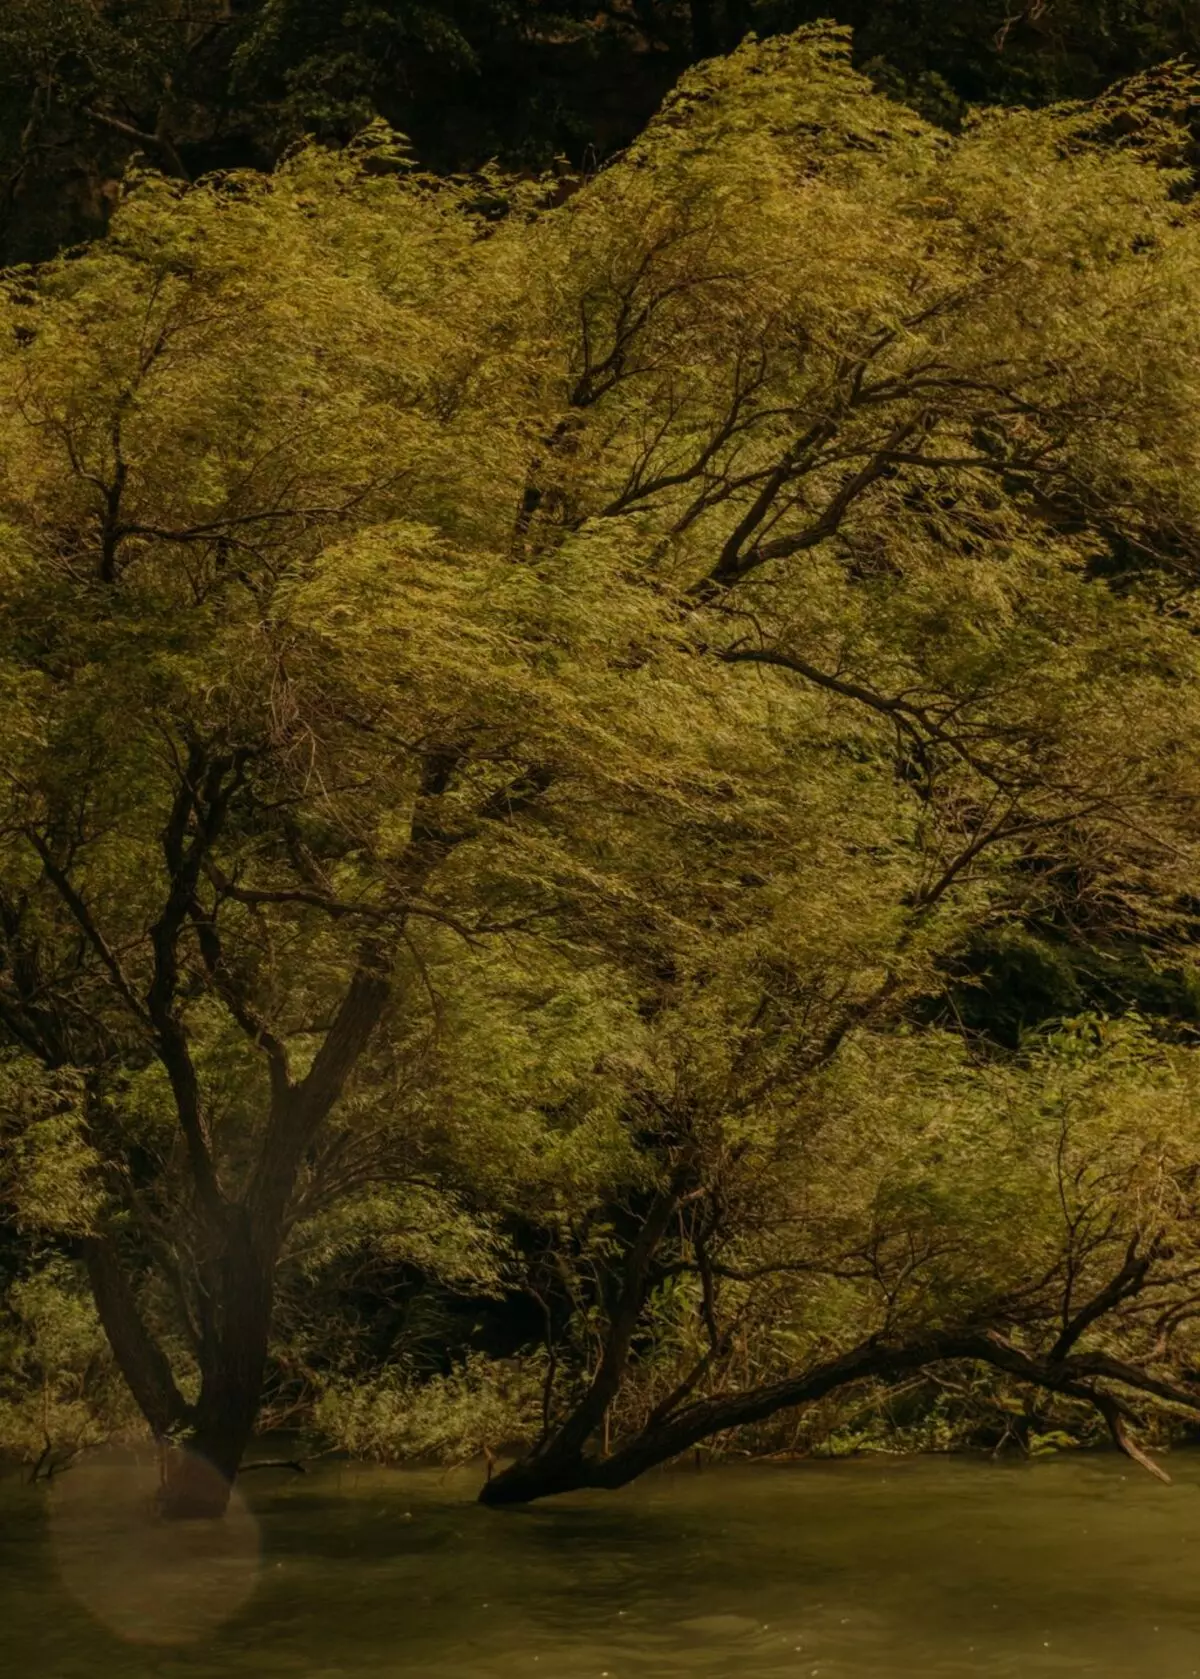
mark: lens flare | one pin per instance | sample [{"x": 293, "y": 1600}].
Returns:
[{"x": 149, "y": 1579}]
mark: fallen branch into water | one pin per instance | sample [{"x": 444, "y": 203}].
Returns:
[
  {"x": 1114, "y": 1414},
  {"x": 562, "y": 1465}
]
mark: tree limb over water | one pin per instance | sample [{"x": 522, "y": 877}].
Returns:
[{"x": 556, "y": 1471}]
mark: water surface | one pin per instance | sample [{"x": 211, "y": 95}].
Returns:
[{"x": 871, "y": 1569}]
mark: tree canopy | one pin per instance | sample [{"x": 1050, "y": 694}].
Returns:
[{"x": 521, "y": 711}]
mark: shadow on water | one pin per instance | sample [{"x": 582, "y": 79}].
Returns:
[{"x": 875, "y": 1569}]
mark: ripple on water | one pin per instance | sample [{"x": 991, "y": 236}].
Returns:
[
  {"x": 148, "y": 1580},
  {"x": 920, "y": 1570}
]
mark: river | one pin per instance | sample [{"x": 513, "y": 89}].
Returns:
[{"x": 867, "y": 1569}]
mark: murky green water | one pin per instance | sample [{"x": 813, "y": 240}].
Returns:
[{"x": 872, "y": 1569}]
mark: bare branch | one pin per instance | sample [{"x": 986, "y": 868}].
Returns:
[
  {"x": 83, "y": 917},
  {"x": 1128, "y": 1281}
]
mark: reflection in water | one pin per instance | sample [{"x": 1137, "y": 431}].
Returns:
[
  {"x": 873, "y": 1569},
  {"x": 149, "y": 1580}
]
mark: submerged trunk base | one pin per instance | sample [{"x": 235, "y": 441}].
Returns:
[
  {"x": 193, "y": 1486},
  {"x": 533, "y": 1478}
]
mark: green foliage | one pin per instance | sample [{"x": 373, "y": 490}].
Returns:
[
  {"x": 59, "y": 1389},
  {"x": 943, "y": 61},
  {"x": 510, "y": 710},
  {"x": 87, "y": 87},
  {"x": 481, "y": 1406},
  {"x": 49, "y": 1179},
  {"x": 1018, "y": 980}
]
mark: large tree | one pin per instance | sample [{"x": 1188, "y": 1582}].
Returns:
[
  {"x": 704, "y": 587},
  {"x": 902, "y": 425},
  {"x": 282, "y": 710}
]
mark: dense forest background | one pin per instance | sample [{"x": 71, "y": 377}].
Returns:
[
  {"x": 597, "y": 712},
  {"x": 202, "y": 85}
]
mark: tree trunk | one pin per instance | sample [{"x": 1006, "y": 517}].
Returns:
[
  {"x": 558, "y": 1464},
  {"x": 202, "y": 1445},
  {"x": 538, "y": 1477},
  {"x": 200, "y": 1469},
  {"x": 139, "y": 1357},
  {"x": 555, "y": 1471},
  {"x": 199, "y": 1473}
]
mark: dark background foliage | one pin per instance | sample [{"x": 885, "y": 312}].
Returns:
[{"x": 201, "y": 85}]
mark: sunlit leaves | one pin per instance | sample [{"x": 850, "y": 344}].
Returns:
[{"x": 661, "y": 632}]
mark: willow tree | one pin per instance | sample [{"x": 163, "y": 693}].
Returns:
[
  {"x": 904, "y": 427},
  {"x": 280, "y": 710},
  {"x": 696, "y": 587}
]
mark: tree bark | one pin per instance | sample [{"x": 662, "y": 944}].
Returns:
[
  {"x": 202, "y": 1445},
  {"x": 543, "y": 1477},
  {"x": 557, "y": 1462},
  {"x": 238, "y": 1212},
  {"x": 139, "y": 1357},
  {"x": 200, "y": 1471}
]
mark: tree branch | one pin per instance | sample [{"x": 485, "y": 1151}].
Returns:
[
  {"x": 198, "y": 810},
  {"x": 83, "y": 917},
  {"x": 143, "y": 1363},
  {"x": 872, "y": 1360},
  {"x": 1127, "y": 1282}
]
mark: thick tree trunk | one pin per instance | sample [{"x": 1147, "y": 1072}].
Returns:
[
  {"x": 139, "y": 1357},
  {"x": 199, "y": 1473},
  {"x": 202, "y": 1445},
  {"x": 533, "y": 1478},
  {"x": 199, "y": 1470}
]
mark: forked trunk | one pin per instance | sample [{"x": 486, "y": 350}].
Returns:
[
  {"x": 199, "y": 1472},
  {"x": 559, "y": 1463},
  {"x": 202, "y": 1444}
]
